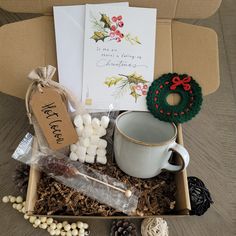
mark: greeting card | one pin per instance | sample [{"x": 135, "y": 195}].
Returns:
[
  {"x": 119, "y": 46},
  {"x": 69, "y": 31}
]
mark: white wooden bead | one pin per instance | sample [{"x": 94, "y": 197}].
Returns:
[
  {"x": 52, "y": 232},
  {"x": 81, "y": 151},
  {"x": 101, "y": 132},
  {"x": 18, "y": 207},
  {"x": 49, "y": 221},
  {"x": 101, "y": 152},
  {"x": 43, "y": 226},
  {"x": 81, "y": 234},
  {"x": 32, "y": 219},
  {"x": 80, "y": 224},
  {"x": 5, "y": 199},
  {"x": 63, "y": 233},
  {"x": 73, "y": 147},
  {"x": 87, "y": 119},
  {"x": 64, "y": 223},
  {"x": 26, "y": 216},
  {"x": 23, "y": 203},
  {"x": 85, "y": 142},
  {"x": 73, "y": 225},
  {"x": 23, "y": 210},
  {"x": 53, "y": 226},
  {"x": 79, "y": 130},
  {"x": 85, "y": 225},
  {"x": 35, "y": 226},
  {"x": 43, "y": 219},
  {"x": 12, "y": 199},
  {"x": 37, "y": 222},
  {"x": 67, "y": 227},
  {"x": 105, "y": 121},
  {"x": 96, "y": 123},
  {"x": 82, "y": 230},
  {"x": 89, "y": 159},
  {"x": 57, "y": 231},
  {"x": 19, "y": 199},
  {"x": 78, "y": 121},
  {"x": 68, "y": 233},
  {"x": 102, "y": 160},
  {"x": 91, "y": 150},
  {"x": 75, "y": 232},
  {"x": 73, "y": 156},
  {"x": 59, "y": 225},
  {"x": 87, "y": 132},
  {"x": 102, "y": 144}
]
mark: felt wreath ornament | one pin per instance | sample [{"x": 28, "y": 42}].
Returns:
[{"x": 190, "y": 98}]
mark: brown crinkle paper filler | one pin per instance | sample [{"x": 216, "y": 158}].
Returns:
[{"x": 157, "y": 195}]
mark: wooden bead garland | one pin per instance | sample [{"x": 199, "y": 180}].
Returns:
[
  {"x": 154, "y": 227},
  {"x": 53, "y": 227}
]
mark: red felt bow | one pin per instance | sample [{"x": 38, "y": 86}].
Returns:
[{"x": 177, "y": 81}]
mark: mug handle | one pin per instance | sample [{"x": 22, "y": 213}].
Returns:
[{"x": 184, "y": 155}]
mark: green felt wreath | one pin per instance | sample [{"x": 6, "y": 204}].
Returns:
[{"x": 190, "y": 93}]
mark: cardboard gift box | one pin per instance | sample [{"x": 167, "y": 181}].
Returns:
[{"x": 180, "y": 48}]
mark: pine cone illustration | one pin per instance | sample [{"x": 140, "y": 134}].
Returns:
[
  {"x": 21, "y": 178},
  {"x": 123, "y": 228}
]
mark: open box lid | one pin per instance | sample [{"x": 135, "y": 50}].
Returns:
[
  {"x": 168, "y": 9},
  {"x": 180, "y": 47}
]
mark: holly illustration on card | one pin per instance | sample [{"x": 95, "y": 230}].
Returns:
[
  {"x": 111, "y": 29},
  {"x": 135, "y": 84}
]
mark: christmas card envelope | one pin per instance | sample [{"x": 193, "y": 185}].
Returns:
[
  {"x": 119, "y": 46},
  {"x": 69, "y": 24},
  {"x": 180, "y": 47}
]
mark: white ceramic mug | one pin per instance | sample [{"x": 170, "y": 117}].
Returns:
[{"x": 143, "y": 145}]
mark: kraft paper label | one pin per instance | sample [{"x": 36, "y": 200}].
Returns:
[{"x": 53, "y": 118}]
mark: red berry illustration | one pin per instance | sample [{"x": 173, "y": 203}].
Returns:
[
  {"x": 138, "y": 87},
  {"x": 121, "y": 24},
  {"x": 118, "y": 40},
  {"x": 114, "y": 19},
  {"x": 144, "y": 92},
  {"x": 119, "y": 17},
  {"x": 145, "y": 86},
  {"x": 113, "y": 27},
  {"x": 121, "y": 35},
  {"x": 117, "y": 32},
  {"x": 112, "y": 34}
]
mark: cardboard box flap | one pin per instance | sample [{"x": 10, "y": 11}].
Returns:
[
  {"x": 168, "y": 9},
  {"x": 195, "y": 52},
  {"x": 180, "y": 48}
]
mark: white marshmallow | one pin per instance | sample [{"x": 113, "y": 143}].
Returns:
[
  {"x": 102, "y": 144},
  {"x": 96, "y": 123},
  {"x": 79, "y": 130},
  {"x": 105, "y": 121},
  {"x": 102, "y": 159},
  {"x": 78, "y": 121},
  {"x": 73, "y": 147},
  {"x": 88, "y": 131},
  {"x": 81, "y": 151},
  {"x": 101, "y": 152},
  {"x": 87, "y": 119},
  {"x": 101, "y": 132},
  {"x": 91, "y": 150},
  {"x": 94, "y": 139},
  {"x": 81, "y": 159},
  {"x": 84, "y": 142},
  {"x": 73, "y": 156},
  {"x": 89, "y": 159}
]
